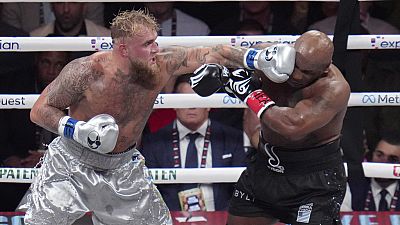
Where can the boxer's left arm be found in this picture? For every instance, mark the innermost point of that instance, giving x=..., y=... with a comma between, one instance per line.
x=182, y=60
x=65, y=90
x=276, y=61
x=308, y=114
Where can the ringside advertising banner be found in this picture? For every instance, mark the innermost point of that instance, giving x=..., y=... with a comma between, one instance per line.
x=219, y=218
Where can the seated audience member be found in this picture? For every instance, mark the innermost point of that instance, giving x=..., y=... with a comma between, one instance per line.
x=371, y=24
x=194, y=141
x=28, y=16
x=70, y=22
x=174, y=22
x=376, y=194
x=272, y=19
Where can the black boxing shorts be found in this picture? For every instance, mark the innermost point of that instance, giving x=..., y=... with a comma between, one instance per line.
x=296, y=186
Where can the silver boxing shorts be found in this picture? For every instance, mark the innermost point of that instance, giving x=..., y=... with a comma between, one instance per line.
x=116, y=188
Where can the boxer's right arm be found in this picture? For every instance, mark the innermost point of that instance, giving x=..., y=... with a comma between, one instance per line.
x=65, y=90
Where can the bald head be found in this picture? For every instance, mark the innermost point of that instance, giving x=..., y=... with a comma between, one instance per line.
x=314, y=50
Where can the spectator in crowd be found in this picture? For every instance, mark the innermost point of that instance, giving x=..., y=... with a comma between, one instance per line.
x=174, y=22
x=273, y=22
x=376, y=194
x=371, y=24
x=221, y=146
x=30, y=15
x=70, y=21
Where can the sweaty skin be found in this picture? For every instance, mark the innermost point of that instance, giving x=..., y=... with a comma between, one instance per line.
x=107, y=82
x=311, y=105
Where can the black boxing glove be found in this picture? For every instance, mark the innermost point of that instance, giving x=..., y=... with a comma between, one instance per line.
x=208, y=79
x=248, y=89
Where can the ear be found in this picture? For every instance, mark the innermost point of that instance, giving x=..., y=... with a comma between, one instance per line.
x=122, y=49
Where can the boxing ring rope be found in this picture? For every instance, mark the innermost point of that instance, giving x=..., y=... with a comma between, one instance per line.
x=172, y=175
x=218, y=100
x=197, y=175
x=28, y=44
x=175, y=0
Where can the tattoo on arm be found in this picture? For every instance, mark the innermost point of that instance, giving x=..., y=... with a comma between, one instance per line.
x=70, y=84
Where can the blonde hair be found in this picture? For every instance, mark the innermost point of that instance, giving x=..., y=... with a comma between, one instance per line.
x=131, y=23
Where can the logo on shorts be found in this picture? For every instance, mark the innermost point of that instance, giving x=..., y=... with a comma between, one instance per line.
x=273, y=161
x=304, y=213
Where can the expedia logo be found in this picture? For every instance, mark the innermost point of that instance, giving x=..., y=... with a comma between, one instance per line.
x=368, y=99
x=379, y=42
x=101, y=44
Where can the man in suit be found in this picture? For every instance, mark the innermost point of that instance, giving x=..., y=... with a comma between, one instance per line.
x=376, y=194
x=222, y=145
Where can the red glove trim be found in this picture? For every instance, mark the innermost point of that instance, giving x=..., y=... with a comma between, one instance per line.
x=258, y=101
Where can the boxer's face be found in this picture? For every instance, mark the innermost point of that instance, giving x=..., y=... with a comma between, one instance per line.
x=142, y=47
x=191, y=118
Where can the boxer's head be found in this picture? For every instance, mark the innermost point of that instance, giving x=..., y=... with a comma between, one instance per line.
x=314, y=51
x=134, y=36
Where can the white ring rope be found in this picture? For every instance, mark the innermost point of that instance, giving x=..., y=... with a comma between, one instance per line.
x=28, y=44
x=175, y=0
x=198, y=175
x=218, y=100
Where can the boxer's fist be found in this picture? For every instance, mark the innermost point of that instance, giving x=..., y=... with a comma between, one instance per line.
x=248, y=89
x=208, y=79
x=277, y=61
x=99, y=133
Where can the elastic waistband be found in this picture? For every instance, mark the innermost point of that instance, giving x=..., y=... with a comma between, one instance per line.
x=303, y=160
x=96, y=159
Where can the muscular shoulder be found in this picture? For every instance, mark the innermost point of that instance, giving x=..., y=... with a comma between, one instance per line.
x=333, y=88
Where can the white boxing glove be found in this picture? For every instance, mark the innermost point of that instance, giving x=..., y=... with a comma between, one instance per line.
x=99, y=133
x=276, y=61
